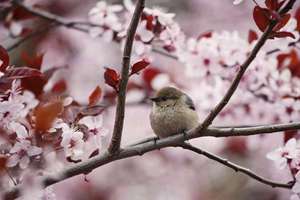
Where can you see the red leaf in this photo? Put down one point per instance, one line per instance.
(94, 153)
(3, 160)
(252, 36)
(20, 13)
(21, 72)
(282, 34)
(112, 78)
(237, 145)
(149, 24)
(207, 34)
(137, 67)
(289, 135)
(46, 114)
(297, 17)
(261, 17)
(59, 87)
(4, 58)
(283, 21)
(272, 4)
(36, 84)
(149, 74)
(293, 62)
(95, 96)
(34, 61)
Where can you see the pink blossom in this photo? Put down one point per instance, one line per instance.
(281, 155)
(72, 141)
(21, 153)
(106, 20)
(236, 2)
(97, 133)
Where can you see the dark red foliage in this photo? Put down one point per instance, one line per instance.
(282, 34)
(21, 73)
(18, 13)
(297, 17)
(283, 21)
(4, 58)
(273, 5)
(252, 36)
(288, 135)
(293, 62)
(46, 114)
(34, 61)
(148, 75)
(59, 87)
(206, 34)
(112, 78)
(138, 66)
(3, 160)
(261, 17)
(237, 145)
(95, 96)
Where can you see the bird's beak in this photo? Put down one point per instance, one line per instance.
(154, 99)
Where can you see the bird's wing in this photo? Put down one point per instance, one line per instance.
(190, 102)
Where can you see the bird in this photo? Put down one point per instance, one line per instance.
(173, 112)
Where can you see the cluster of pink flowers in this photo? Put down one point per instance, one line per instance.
(211, 60)
(207, 65)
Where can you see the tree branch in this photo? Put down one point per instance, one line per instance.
(50, 17)
(261, 41)
(237, 168)
(120, 110)
(150, 144)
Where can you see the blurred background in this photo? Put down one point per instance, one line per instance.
(167, 174)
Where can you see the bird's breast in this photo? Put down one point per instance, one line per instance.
(169, 121)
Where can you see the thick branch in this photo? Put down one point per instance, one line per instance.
(120, 110)
(237, 168)
(150, 144)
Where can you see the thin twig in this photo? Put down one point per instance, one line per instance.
(120, 109)
(11, 177)
(50, 17)
(142, 147)
(234, 85)
(237, 168)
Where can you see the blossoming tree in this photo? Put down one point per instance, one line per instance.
(242, 87)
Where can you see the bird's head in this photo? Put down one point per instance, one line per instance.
(167, 96)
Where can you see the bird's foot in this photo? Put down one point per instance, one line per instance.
(185, 135)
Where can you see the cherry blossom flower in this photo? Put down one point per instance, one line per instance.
(281, 155)
(97, 134)
(163, 17)
(106, 20)
(20, 130)
(21, 153)
(72, 141)
(296, 187)
(236, 2)
(17, 106)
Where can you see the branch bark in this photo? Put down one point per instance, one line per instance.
(238, 168)
(120, 110)
(261, 41)
(150, 144)
(173, 141)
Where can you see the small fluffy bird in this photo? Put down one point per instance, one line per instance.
(173, 112)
